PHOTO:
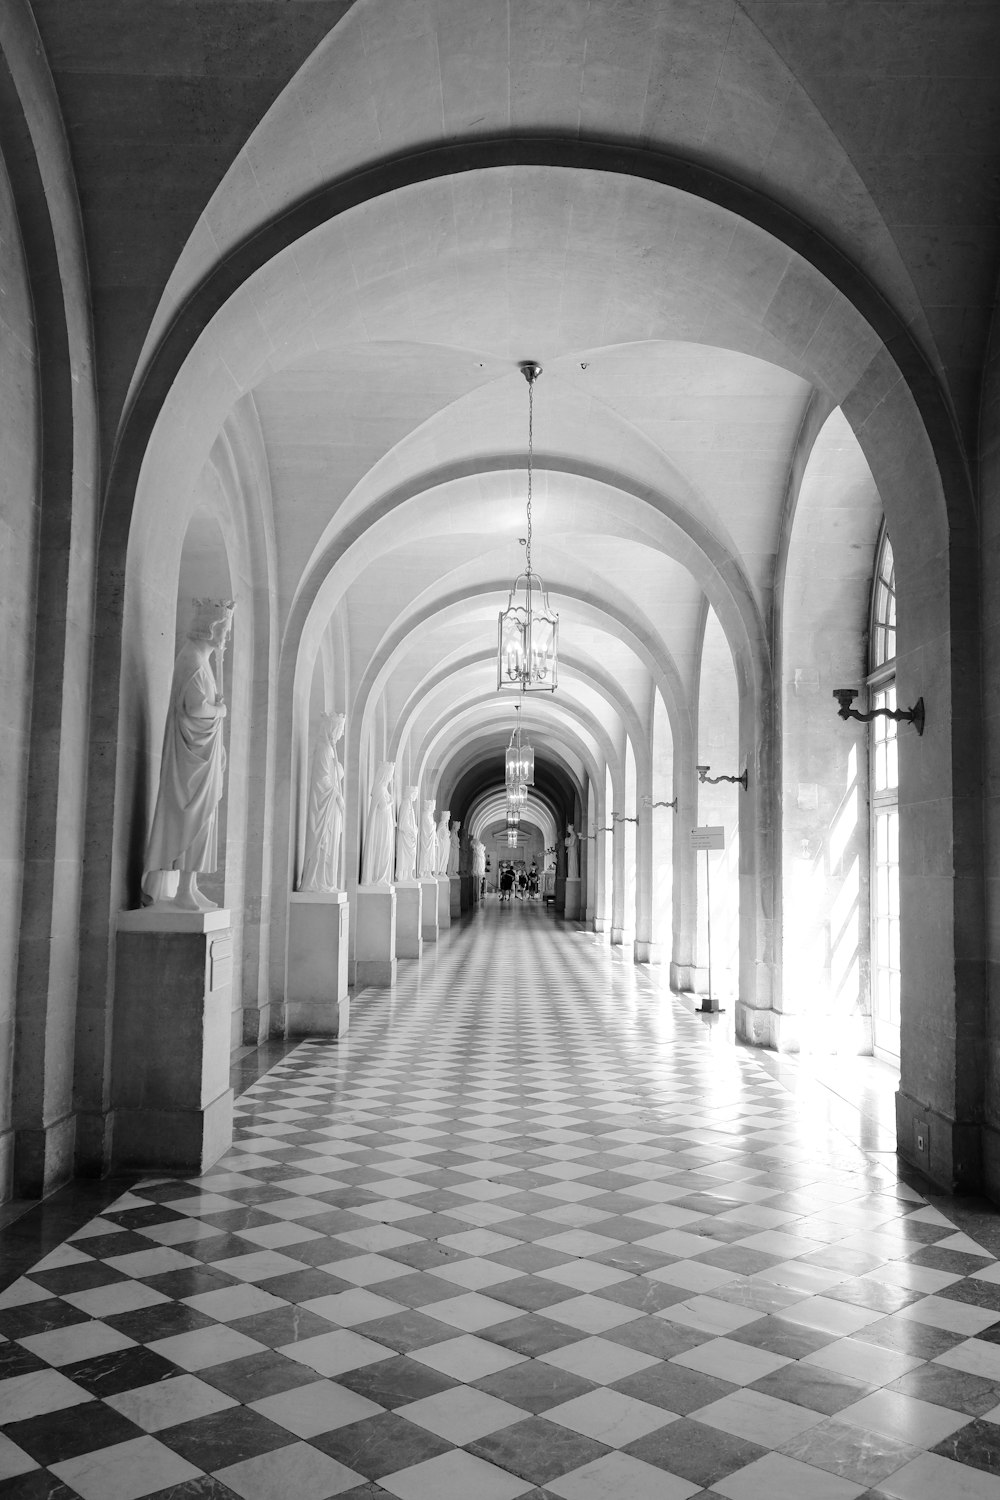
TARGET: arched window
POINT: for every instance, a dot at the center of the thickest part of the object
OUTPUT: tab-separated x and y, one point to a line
884	784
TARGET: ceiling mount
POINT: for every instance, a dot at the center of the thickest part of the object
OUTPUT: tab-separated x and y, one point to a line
530	369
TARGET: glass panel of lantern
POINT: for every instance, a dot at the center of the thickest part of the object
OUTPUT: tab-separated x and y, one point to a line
527	650
519	765
517	798
512	839
513	818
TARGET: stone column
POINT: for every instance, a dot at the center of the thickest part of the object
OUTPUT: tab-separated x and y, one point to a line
317	1001
170	1094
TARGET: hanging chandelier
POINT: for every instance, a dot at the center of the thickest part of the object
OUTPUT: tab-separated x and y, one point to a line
519	764
512	838
527	647
513	818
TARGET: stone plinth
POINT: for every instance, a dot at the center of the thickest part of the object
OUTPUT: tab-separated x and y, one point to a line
375	937
409	917
571	911
171	1100
444	902
317	1002
429	909
455	906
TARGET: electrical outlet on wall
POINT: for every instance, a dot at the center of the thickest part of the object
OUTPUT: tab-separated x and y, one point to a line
921	1139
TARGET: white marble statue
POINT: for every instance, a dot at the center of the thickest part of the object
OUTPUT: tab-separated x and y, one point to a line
427	855
184	834
325	817
406	835
455	849
443	842
378	854
478	857
572	844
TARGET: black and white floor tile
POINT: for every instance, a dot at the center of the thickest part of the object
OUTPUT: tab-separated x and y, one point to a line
530	1230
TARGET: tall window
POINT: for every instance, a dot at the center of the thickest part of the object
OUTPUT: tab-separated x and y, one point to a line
884	784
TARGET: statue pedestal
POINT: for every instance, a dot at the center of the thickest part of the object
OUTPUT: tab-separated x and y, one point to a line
429	909
170	1094
444	902
409	904
375	937
317	1002
572	909
455	906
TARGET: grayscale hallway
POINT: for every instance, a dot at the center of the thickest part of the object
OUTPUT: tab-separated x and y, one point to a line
532	1228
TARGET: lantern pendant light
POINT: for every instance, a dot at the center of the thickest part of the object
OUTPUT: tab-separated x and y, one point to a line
528	638
519	762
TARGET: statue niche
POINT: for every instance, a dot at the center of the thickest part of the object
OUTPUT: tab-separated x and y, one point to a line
325	816
380	843
427	858
443	843
184	832
406	835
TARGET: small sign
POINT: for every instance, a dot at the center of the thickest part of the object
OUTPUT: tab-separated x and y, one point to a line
710	836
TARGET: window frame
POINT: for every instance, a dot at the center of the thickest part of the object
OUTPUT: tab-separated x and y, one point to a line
884	802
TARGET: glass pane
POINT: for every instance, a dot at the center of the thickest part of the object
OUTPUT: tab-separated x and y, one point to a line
880	777
891	765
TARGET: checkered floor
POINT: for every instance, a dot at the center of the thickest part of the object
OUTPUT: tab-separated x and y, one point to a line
532	1229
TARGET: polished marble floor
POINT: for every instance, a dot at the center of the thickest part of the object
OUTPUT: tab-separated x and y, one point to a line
532	1229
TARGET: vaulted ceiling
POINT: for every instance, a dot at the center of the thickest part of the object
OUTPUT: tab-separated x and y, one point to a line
676	207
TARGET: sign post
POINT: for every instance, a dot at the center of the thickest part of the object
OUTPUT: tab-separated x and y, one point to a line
709	836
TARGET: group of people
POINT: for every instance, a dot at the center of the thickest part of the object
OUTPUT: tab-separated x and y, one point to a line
518	883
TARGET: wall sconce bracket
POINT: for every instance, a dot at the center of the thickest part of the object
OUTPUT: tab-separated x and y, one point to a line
706	780
846	696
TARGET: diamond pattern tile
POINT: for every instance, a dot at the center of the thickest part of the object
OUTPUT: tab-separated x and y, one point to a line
532	1232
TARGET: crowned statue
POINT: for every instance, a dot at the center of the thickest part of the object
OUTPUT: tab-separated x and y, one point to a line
427	856
184	832
455	849
325	816
406	835
443	843
378	854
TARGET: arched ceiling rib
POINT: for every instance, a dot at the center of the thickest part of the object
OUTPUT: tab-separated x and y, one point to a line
390	78
383	367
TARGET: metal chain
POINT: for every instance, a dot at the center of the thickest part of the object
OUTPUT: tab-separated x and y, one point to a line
531	445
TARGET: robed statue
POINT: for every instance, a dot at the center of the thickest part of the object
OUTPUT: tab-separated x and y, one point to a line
325	815
443	842
455	849
427	857
572	843
184	833
379	850
406	835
